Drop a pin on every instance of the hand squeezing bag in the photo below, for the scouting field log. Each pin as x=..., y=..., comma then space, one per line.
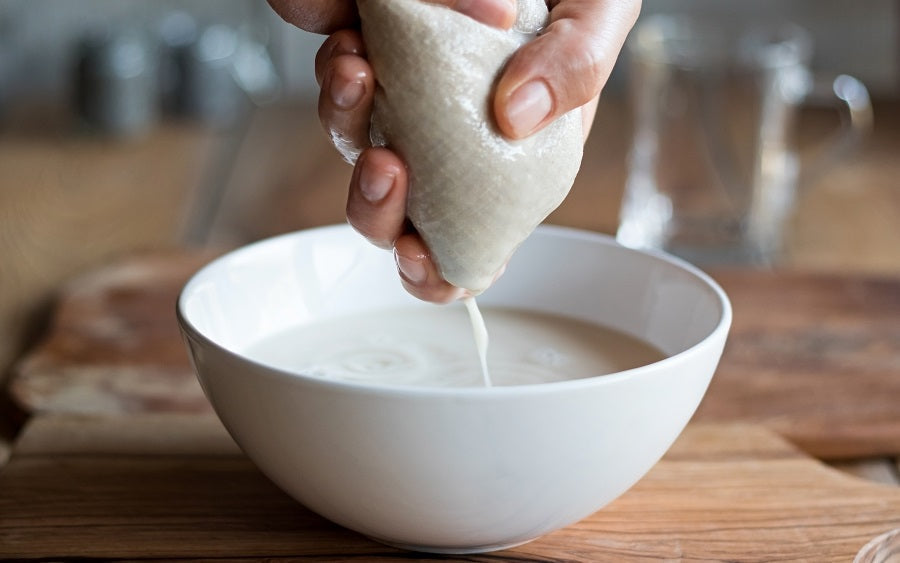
x=475, y=196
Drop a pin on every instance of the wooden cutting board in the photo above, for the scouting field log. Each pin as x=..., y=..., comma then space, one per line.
x=815, y=357
x=176, y=486
x=113, y=344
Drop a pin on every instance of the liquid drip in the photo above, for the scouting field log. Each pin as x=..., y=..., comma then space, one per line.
x=479, y=331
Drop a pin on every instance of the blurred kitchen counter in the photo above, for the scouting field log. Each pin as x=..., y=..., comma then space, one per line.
x=70, y=201
x=286, y=176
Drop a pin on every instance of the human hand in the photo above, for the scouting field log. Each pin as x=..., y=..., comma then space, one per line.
x=562, y=69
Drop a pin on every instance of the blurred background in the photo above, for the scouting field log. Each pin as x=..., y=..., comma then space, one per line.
x=128, y=125
x=39, y=39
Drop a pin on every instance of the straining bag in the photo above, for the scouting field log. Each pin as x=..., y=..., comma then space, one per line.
x=474, y=195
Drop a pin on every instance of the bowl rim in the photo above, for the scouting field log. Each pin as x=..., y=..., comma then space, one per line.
x=266, y=370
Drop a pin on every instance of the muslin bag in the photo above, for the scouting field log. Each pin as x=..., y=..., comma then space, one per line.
x=475, y=196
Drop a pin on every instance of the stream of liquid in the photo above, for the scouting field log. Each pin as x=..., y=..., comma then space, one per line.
x=480, y=334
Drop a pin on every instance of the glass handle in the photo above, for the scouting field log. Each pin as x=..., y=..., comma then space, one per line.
x=850, y=98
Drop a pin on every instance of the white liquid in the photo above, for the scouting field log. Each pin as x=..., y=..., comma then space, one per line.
x=433, y=346
x=479, y=332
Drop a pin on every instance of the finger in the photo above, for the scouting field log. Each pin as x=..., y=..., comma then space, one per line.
x=565, y=67
x=496, y=13
x=376, y=204
x=345, y=103
x=343, y=42
x=317, y=16
x=419, y=274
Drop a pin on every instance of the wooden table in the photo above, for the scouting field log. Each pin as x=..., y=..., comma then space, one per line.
x=119, y=457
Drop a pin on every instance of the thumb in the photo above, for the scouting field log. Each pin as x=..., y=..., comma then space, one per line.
x=565, y=67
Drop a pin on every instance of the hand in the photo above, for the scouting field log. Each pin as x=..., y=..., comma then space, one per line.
x=564, y=68
x=328, y=16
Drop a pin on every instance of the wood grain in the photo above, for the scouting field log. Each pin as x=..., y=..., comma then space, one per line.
x=113, y=343
x=167, y=486
x=816, y=358
x=813, y=356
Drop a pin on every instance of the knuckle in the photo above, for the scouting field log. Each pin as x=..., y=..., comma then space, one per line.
x=575, y=61
x=367, y=227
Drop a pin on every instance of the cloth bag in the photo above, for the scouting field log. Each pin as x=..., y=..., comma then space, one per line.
x=475, y=196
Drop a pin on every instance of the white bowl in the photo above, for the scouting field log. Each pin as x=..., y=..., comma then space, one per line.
x=453, y=470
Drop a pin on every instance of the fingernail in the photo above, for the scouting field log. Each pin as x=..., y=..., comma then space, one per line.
x=499, y=13
x=346, y=93
x=374, y=183
x=512, y=12
x=528, y=107
x=411, y=269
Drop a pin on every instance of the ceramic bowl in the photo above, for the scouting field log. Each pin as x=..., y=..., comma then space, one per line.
x=453, y=470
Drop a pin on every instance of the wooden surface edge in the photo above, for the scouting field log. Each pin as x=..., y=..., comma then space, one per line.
x=175, y=486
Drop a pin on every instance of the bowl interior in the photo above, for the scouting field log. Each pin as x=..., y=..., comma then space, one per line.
x=304, y=277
